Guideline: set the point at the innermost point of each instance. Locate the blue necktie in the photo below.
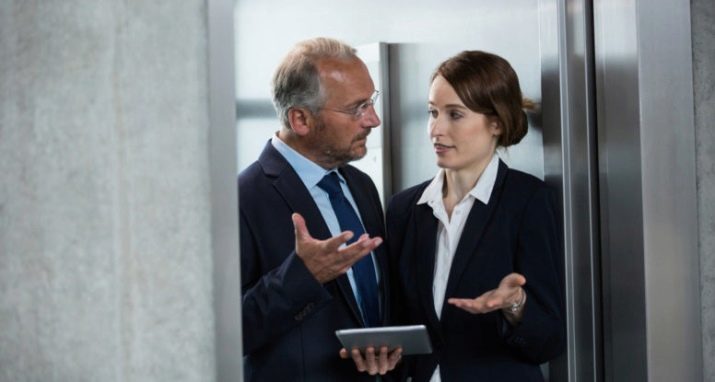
(364, 269)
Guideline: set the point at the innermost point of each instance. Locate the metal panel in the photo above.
(224, 198)
(648, 205)
(569, 165)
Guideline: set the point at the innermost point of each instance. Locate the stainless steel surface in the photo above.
(647, 188)
(224, 199)
(569, 165)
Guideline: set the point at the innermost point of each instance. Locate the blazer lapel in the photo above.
(474, 227)
(291, 188)
(372, 220)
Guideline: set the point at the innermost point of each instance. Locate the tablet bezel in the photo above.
(413, 339)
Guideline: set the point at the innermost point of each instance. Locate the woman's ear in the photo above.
(495, 126)
(300, 120)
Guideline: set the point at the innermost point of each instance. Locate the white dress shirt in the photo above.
(449, 230)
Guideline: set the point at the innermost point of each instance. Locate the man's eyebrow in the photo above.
(360, 101)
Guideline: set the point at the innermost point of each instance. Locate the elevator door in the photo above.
(417, 35)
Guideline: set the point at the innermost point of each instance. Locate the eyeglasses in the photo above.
(359, 111)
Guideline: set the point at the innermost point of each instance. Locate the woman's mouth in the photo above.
(441, 148)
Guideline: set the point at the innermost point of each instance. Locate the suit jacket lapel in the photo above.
(291, 188)
(372, 220)
(473, 231)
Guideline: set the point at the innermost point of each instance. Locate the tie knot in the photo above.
(331, 184)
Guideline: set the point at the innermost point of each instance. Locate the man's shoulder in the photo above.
(355, 173)
(249, 173)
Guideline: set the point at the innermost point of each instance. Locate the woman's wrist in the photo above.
(513, 312)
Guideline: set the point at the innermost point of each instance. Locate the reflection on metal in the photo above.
(224, 200)
(569, 165)
(648, 199)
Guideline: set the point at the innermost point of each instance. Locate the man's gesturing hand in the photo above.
(324, 258)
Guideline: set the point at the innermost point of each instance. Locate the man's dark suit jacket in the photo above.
(289, 318)
(515, 232)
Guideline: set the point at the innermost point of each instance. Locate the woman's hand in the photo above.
(508, 294)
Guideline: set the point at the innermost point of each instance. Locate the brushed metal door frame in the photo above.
(646, 137)
(570, 166)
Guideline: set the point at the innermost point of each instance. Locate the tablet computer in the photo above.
(413, 339)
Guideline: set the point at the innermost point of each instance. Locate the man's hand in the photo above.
(372, 363)
(508, 292)
(324, 258)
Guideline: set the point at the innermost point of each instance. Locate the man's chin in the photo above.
(359, 152)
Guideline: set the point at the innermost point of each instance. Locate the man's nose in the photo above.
(371, 118)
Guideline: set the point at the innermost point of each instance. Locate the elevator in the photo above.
(614, 136)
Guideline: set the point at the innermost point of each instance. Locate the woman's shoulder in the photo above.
(406, 198)
(524, 186)
(523, 179)
(413, 192)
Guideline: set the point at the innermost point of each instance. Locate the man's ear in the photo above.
(300, 120)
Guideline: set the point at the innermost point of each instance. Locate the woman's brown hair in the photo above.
(487, 84)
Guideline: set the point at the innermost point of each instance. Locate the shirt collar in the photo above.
(482, 191)
(308, 171)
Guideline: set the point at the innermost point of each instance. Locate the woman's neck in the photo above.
(458, 183)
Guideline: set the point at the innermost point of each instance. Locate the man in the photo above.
(307, 268)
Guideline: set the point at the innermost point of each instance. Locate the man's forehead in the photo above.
(353, 74)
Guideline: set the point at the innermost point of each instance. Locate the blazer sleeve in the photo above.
(278, 300)
(540, 336)
(396, 222)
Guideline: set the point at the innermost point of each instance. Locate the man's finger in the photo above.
(332, 244)
(301, 231)
(370, 360)
(382, 365)
(355, 251)
(395, 357)
(359, 361)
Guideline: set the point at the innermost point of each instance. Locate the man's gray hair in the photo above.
(296, 82)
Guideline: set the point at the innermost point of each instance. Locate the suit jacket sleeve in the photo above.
(540, 335)
(279, 299)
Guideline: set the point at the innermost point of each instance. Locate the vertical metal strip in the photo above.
(569, 157)
(224, 198)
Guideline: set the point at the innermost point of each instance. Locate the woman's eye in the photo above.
(455, 115)
(432, 113)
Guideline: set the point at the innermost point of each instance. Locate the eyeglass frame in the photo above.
(359, 111)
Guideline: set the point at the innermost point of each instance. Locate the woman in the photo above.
(475, 250)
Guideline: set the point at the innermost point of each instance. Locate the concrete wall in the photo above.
(105, 242)
(703, 26)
